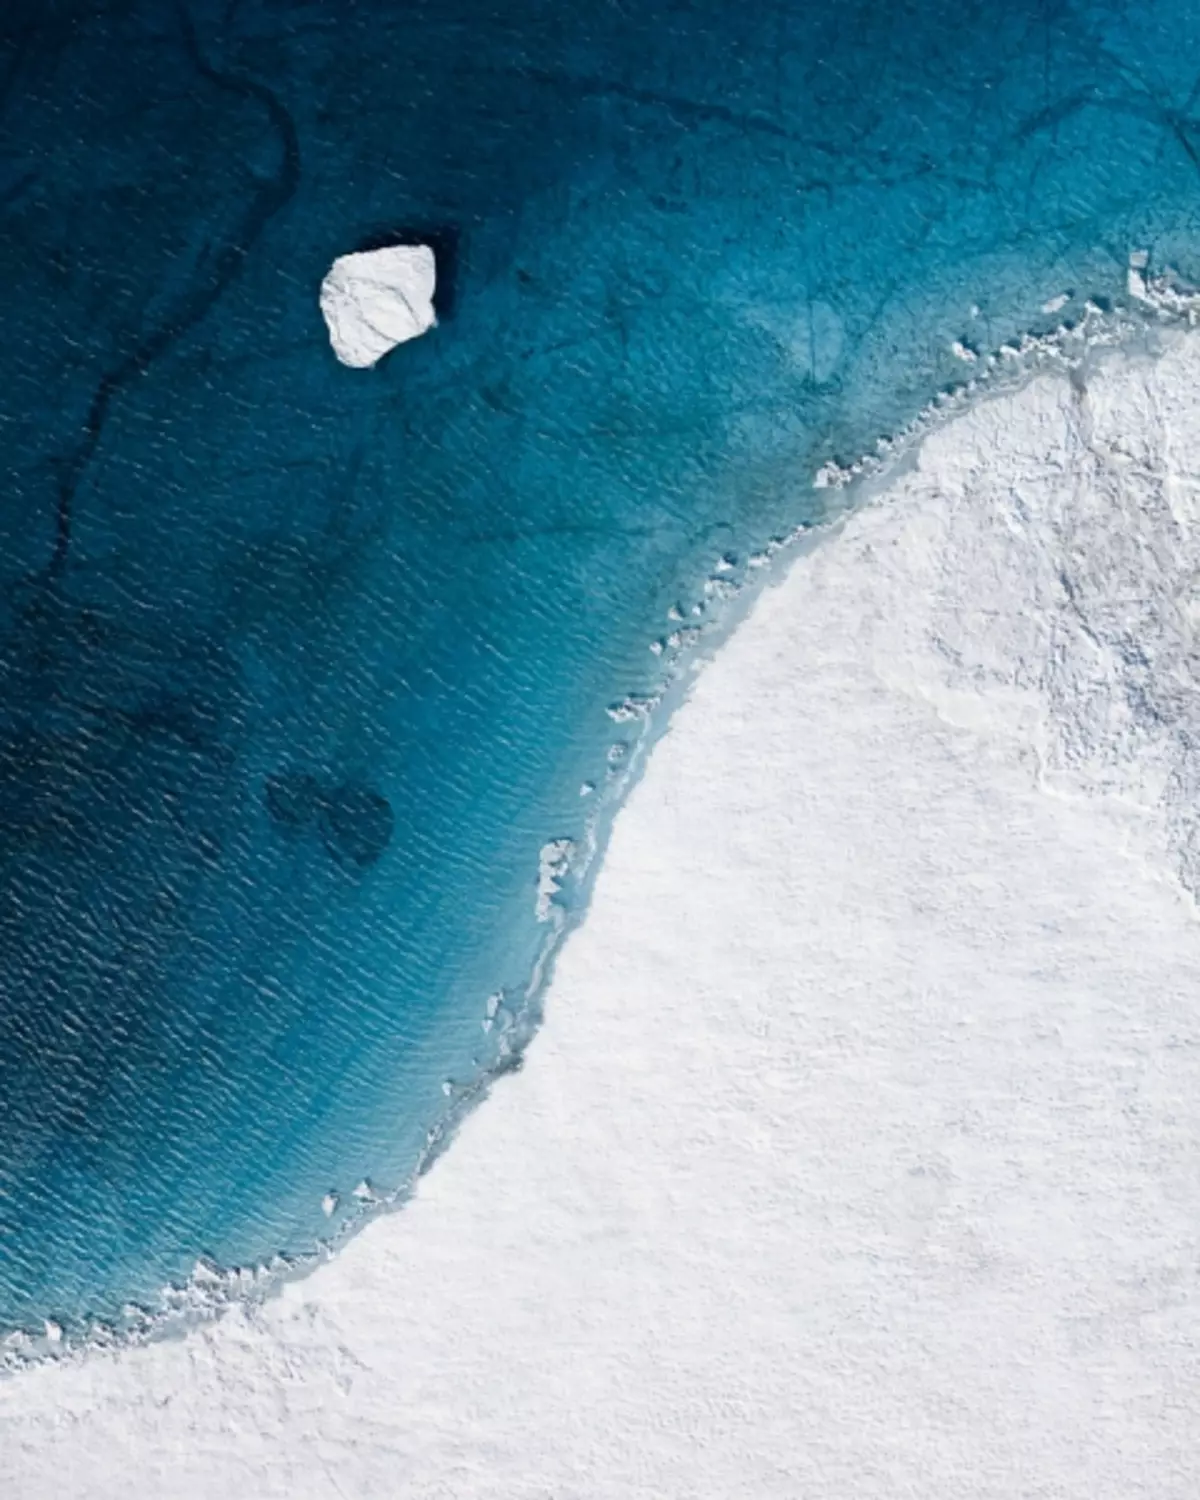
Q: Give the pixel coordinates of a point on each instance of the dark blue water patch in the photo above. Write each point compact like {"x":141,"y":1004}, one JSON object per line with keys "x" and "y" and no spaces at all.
{"x":302,"y":666}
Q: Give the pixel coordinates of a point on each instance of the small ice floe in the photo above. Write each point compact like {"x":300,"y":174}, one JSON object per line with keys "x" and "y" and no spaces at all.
{"x":1135,"y":278}
{"x":553,"y":864}
{"x":1155,"y":292}
{"x":365,"y":1193}
{"x":1165,"y":293}
{"x":497,"y":1014}
{"x":375,"y":299}
{"x":329,"y":1204}
{"x":1056,"y":304}
{"x":633,"y":708}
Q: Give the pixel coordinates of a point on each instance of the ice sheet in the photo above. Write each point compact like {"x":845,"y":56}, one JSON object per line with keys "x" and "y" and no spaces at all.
{"x":857,"y":1154}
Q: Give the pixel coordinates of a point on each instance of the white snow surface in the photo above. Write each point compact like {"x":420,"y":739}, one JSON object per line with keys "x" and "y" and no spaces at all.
{"x":859,"y":1154}
{"x":375,"y":299}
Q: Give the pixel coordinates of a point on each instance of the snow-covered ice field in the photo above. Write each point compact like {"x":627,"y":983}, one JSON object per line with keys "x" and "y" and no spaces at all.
{"x":859,"y":1153}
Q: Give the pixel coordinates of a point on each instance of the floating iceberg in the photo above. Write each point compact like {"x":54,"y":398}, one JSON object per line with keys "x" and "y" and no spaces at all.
{"x":376,"y":299}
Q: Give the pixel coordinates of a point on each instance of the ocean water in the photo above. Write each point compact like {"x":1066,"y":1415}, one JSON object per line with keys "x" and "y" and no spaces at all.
{"x":301,"y":667}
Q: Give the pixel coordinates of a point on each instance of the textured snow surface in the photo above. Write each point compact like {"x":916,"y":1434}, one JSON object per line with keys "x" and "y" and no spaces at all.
{"x":376,"y":299}
{"x":859,"y":1154}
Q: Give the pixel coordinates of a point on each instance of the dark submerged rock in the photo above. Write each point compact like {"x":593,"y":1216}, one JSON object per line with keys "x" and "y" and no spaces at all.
{"x":293,"y":798}
{"x":356,"y":824}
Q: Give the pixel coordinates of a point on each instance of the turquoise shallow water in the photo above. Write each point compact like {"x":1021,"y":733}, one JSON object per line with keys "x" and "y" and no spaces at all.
{"x":302,"y":666}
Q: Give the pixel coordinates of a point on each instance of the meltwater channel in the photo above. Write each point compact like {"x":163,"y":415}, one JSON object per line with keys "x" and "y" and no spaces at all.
{"x":301,"y":667}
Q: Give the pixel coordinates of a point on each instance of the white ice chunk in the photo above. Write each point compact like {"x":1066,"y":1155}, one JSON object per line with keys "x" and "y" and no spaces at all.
{"x":376,"y":299}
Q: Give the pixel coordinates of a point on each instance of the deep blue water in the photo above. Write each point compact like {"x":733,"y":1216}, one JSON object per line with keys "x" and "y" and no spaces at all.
{"x":301,"y":666}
